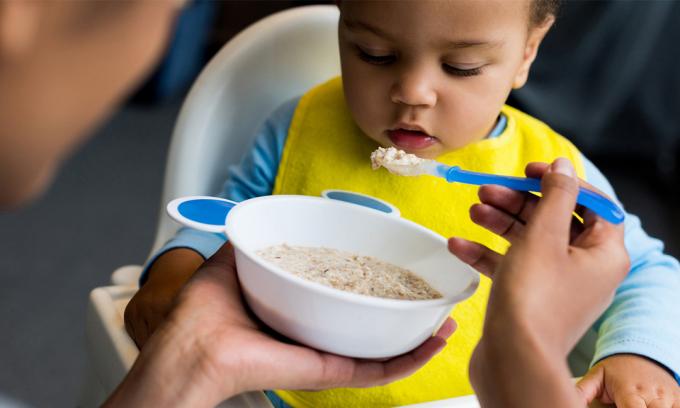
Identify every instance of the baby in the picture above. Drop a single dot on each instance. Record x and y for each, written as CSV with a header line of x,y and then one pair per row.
x,y
431,78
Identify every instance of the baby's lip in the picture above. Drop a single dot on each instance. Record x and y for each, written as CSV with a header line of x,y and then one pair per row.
x,y
413,127
410,140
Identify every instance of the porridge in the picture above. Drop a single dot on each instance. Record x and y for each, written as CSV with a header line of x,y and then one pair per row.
x,y
342,270
397,161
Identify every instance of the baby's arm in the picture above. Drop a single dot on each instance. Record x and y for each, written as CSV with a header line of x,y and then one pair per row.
x,y
169,269
164,276
152,302
637,351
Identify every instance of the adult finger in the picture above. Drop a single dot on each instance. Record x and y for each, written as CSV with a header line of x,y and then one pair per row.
x,y
597,232
446,329
405,365
483,259
368,374
605,241
336,371
497,221
512,206
536,169
553,215
513,202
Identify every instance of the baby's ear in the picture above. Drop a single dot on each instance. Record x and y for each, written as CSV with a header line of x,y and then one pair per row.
x,y
18,27
536,35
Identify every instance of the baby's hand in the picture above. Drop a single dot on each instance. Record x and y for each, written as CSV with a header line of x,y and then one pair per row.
x,y
628,380
151,304
147,310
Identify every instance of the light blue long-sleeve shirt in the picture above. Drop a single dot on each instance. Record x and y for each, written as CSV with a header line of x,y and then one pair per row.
x,y
643,319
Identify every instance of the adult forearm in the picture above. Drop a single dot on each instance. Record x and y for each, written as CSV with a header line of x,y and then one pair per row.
x,y
512,368
169,372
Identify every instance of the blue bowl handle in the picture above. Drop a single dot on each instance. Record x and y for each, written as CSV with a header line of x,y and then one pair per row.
x,y
204,213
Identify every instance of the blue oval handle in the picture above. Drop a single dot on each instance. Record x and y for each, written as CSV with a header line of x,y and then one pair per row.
x,y
204,213
598,203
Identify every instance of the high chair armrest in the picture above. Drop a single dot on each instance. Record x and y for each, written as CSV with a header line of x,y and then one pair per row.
x,y
111,351
127,275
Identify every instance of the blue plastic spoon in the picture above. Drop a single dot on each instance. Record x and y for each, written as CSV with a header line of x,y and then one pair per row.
x,y
598,203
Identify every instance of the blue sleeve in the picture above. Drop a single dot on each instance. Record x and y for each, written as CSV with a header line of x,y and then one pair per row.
x,y
253,177
644,317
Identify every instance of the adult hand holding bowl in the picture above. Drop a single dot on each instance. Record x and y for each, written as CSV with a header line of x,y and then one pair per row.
x,y
322,317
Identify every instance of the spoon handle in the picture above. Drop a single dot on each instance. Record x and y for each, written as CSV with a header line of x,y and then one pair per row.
x,y
598,203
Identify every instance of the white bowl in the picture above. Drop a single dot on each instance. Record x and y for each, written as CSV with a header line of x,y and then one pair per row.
x,y
330,319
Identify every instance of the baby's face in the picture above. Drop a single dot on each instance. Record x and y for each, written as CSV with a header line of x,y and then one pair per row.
x,y
429,77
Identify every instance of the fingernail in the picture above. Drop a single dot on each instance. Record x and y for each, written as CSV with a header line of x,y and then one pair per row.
x,y
563,166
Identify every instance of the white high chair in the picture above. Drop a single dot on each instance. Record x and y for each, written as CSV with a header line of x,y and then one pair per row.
x,y
270,62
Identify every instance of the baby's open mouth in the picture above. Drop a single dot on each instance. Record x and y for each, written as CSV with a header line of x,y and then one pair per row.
x,y
410,140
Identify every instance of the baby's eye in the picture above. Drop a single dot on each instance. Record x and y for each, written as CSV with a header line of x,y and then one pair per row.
x,y
375,59
461,71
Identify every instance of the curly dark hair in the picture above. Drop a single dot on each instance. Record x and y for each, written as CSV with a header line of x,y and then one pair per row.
x,y
541,9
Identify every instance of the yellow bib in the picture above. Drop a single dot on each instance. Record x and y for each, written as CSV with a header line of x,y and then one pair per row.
x,y
326,150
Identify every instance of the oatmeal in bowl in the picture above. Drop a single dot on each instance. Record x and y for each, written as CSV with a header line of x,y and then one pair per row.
x,y
416,282
364,275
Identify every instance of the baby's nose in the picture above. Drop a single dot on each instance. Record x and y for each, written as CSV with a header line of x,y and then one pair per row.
x,y
414,89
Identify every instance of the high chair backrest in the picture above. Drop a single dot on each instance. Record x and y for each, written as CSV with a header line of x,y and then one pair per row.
x,y
273,60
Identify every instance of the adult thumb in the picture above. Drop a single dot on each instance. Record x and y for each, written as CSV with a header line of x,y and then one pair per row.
x,y
559,189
